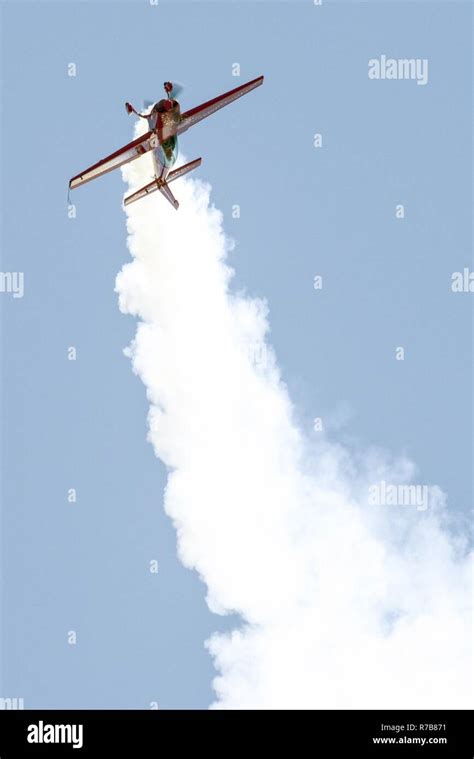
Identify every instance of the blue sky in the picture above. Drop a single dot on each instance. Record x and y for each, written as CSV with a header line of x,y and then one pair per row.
x,y
304,211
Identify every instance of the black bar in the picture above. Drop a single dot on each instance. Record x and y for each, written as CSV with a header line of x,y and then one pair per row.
x,y
289,733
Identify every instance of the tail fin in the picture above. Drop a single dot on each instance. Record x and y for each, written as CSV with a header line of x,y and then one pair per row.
x,y
165,190
162,185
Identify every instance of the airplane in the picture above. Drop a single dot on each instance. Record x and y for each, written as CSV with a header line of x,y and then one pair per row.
x,y
165,123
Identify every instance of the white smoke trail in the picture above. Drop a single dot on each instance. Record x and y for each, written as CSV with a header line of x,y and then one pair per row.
x,y
343,605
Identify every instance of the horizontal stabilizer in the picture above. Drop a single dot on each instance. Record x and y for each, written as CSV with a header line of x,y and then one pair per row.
x,y
162,185
183,170
147,190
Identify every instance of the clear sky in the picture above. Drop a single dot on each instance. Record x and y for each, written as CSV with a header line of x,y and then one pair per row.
x,y
305,211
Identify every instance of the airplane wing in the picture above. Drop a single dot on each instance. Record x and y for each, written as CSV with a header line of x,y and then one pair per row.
x,y
128,153
189,118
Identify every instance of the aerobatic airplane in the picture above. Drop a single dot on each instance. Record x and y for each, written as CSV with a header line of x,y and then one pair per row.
x,y
165,123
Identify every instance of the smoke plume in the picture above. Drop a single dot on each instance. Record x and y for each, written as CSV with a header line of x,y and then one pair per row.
x,y
343,604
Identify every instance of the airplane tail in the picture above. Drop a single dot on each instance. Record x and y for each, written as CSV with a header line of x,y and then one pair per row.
x,y
183,170
162,185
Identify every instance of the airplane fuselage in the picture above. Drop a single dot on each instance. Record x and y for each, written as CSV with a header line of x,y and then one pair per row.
x,y
164,113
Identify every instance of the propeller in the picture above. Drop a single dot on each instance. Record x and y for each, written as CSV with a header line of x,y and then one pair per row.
x,y
173,89
177,89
